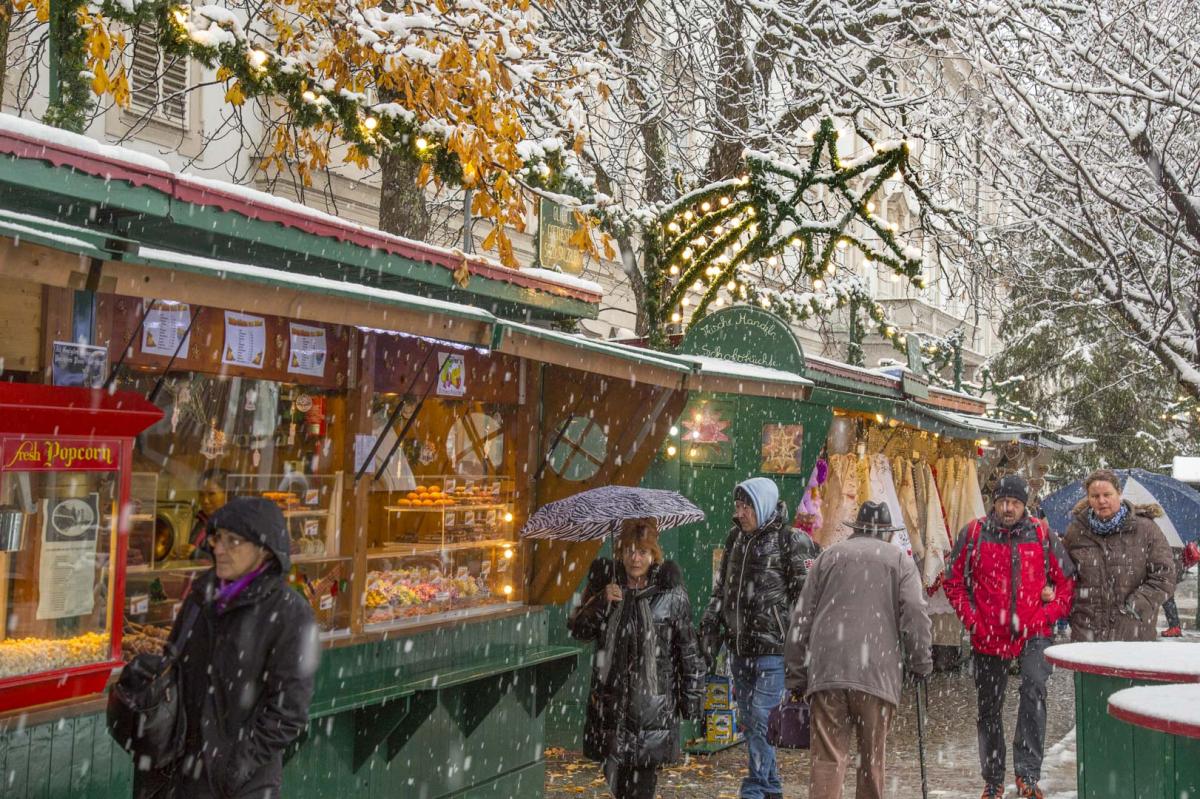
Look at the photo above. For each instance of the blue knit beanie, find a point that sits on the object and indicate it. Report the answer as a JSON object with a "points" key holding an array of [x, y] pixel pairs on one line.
{"points": [[763, 494]]}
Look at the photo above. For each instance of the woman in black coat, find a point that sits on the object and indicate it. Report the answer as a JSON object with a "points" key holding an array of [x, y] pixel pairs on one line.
{"points": [[647, 672], [247, 664]]}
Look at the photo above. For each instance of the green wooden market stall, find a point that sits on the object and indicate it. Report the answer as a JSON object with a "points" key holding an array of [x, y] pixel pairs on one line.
{"points": [[362, 339]]}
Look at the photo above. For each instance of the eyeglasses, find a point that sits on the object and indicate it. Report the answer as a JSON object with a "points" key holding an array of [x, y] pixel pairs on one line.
{"points": [[226, 540], [739, 505]]}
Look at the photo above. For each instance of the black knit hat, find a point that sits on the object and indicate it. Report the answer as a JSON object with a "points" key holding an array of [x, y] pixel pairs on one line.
{"points": [[259, 521], [1013, 486]]}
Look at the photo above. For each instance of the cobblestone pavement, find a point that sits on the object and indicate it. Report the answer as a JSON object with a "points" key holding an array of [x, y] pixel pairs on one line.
{"points": [[951, 753]]}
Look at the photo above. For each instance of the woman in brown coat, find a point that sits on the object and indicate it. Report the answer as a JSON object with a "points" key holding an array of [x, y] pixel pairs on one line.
{"points": [[1124, 565]]}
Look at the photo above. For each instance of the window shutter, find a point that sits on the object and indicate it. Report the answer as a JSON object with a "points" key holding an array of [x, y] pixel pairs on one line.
{"points": [[157, 87]]}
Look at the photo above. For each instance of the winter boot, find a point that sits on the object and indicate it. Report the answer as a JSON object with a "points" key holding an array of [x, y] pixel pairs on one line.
{"points": [[1172, 632], [993, 792], [1029, 790]]}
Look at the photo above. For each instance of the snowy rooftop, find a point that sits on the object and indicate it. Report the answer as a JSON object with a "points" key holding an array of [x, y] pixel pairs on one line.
{"points": [[1173, 709], [29, 139], [1168, 661]]}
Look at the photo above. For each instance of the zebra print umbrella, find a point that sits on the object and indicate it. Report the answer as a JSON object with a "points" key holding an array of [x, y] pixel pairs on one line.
{"points": [[594, 514]]}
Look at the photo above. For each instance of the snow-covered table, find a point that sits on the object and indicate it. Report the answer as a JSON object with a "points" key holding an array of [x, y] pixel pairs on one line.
{"points": [[1173, 709], [1117, 759], [1158, 661]]}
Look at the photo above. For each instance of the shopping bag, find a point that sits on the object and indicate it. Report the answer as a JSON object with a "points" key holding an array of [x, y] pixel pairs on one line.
{"points": [[145, 712], [788, 725]]}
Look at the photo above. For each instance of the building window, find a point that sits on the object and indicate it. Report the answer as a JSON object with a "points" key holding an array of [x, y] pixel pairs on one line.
{"points": [[158, 83]]}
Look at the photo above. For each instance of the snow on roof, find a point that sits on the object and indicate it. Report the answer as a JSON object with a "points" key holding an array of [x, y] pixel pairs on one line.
{"points": [[17, 230], [1185, 469], [747, 371], [312, 282], [36, 130], [1169, 661], [550, 276], [194, 188], [1176, 705]]}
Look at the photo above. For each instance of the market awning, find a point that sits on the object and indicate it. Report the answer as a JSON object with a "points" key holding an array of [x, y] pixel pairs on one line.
{"points": [[964, 425], [1059, 442], [591, 355]]}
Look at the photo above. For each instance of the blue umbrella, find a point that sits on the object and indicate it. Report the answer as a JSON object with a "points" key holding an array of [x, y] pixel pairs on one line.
{"points": [[592, 515], [1180, 502]]}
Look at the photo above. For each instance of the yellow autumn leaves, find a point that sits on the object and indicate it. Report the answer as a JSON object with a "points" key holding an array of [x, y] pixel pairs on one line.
{"points": [[470, 74]]}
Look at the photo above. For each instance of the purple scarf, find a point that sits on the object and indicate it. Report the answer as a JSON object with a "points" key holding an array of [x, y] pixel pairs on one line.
{"points": [[229, 590]]}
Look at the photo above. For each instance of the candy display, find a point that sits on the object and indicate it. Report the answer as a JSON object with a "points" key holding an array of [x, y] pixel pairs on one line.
{"points": [[20, 656], [403, 593]]}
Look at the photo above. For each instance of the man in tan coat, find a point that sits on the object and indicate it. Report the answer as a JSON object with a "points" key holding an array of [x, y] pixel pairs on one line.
{"points": [[860, 619]]}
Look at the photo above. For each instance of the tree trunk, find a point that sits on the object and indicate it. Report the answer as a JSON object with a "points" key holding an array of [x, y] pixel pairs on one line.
{"points": [[402, 207], [6, 11]]}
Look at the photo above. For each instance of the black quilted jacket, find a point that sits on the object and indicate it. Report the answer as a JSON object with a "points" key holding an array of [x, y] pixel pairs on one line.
{"points": [[758, 583], [624, 720]]}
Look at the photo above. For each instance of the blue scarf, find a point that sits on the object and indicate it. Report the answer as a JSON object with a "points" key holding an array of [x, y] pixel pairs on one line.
{"points": [[1101, 527]]}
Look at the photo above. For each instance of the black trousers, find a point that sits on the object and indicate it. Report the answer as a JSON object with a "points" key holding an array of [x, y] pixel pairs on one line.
{"points": [[1172, 612], [627, 781], [991, 681]]}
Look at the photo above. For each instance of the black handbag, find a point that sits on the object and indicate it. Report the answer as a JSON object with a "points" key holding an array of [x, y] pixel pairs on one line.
{"points": [[145, 710]]}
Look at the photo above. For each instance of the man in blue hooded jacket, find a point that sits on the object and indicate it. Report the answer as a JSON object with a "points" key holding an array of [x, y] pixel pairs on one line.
{"points": [[761, 575]]}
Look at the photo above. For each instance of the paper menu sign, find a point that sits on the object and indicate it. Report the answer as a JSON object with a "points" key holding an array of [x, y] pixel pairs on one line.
{"points": [[307, 351], [452, 375], [67, 568], [165, 328], [245, 340]]}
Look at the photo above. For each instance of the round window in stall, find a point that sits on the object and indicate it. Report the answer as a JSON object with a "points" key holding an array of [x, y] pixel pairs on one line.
{"points": [[580, 450]]}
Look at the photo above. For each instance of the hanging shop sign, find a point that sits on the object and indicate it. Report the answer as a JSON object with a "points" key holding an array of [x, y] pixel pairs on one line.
{"points": [[58, 454], [749, 335], [307, 351], [79, 365], [556, 226], [245, 340], [165, 328]]}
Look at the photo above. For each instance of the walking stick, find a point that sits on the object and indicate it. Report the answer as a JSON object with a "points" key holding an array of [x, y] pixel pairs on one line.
{"points": [[921, 735]]}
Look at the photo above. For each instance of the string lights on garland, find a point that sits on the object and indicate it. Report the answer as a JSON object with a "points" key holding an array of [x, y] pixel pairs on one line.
{"points": [[703, 241], [366, 88]]}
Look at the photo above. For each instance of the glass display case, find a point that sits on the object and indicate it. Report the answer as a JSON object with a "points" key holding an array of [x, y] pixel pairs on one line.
{"points": [[311, 505], [447, 545], [64, 477]]}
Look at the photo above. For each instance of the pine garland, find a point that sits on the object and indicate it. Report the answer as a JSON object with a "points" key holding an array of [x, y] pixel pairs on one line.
{"points": [[705, 238]]}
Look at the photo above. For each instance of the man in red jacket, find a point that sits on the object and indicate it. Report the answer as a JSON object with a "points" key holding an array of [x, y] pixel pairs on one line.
{"points": [[1010, 582]]}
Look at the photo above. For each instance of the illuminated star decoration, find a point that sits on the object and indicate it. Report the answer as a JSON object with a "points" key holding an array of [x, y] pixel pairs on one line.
{"points": [[705, 427], [779, 449], [707, 235]]}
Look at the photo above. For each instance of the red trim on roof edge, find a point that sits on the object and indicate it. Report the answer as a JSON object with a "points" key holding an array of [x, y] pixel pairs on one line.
{"points": [[180, 188], [1155, 723], [91, 163]]}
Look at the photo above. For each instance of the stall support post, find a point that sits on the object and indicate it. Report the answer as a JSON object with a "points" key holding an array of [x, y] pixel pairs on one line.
{"points": [[356, 501]]}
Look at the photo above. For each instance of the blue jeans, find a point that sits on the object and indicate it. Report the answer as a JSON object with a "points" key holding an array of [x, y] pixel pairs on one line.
{"points": [[758, 688]]}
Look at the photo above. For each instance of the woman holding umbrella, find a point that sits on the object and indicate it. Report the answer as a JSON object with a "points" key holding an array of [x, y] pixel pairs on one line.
{"points": [[647, 672]]}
